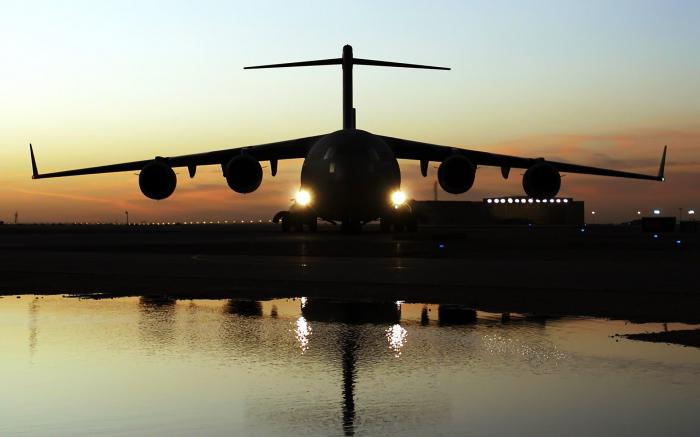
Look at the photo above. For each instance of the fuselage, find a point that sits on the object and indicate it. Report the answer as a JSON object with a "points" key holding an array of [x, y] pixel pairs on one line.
{"points": [[350, 174]]}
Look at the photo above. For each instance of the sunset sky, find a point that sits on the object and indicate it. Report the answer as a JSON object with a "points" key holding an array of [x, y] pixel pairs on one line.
{"points": [[604, 83]]}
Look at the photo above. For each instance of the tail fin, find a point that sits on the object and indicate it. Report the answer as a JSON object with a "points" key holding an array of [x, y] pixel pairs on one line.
{"points": [[347, 62]]}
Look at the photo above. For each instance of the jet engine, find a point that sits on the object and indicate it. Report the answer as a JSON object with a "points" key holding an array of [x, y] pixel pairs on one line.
{"points": [[541, 180], [157, 180], [243, 174], [456, 174]]}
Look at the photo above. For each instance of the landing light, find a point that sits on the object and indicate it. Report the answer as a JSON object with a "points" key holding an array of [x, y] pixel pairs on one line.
{"points": [[303, 198], [398, 198]]}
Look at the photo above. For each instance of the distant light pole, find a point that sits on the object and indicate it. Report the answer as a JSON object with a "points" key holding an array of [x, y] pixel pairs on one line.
{"points": [[593, 216], [692, 212], [127, 217]]}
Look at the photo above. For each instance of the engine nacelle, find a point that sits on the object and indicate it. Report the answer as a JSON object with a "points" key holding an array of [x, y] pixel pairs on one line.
{"points": [[157, 180], [542, 181], [243, 174], [456, 174]]}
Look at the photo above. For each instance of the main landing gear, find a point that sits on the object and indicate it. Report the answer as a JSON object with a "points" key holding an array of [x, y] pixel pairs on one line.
{"points": [[296, 221], [399, 220], [396, 220]]}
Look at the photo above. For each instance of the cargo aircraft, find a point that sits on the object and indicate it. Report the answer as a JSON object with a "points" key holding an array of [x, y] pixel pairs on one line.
{"points": [[349, 176]]}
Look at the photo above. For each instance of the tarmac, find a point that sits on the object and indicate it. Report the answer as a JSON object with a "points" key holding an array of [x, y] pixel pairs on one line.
{"points": [[602, 271]]}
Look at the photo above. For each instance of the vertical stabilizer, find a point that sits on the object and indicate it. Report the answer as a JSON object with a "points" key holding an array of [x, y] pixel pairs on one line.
{"points": [[347, 61]]}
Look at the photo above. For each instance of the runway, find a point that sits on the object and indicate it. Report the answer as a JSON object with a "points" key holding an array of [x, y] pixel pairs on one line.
{"points": [[597, 270]]}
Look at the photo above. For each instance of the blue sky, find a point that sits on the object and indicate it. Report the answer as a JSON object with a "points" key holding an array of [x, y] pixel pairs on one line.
{"points": [[94, 82]]}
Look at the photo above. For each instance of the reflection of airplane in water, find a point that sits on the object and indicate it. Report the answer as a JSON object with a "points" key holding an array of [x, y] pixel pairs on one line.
{"points": [[365, 337], [349, 175], [351, 314]]}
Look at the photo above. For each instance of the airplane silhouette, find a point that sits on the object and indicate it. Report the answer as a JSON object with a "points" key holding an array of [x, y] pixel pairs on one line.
{"points": [[350, 175]]}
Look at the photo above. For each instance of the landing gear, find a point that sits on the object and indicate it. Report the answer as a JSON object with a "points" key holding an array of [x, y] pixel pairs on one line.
{"points": [[285, 222], [295, 221], [384, 225], [398, 221], [313, 225], [350, 226]]}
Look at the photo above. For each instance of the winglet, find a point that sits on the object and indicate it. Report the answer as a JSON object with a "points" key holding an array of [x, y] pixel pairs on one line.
{"points": [[35, 172], [662, 166]]}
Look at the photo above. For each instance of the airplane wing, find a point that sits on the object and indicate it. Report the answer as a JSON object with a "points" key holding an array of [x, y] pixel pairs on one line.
{"points": [[425, 152], [290, 149]]}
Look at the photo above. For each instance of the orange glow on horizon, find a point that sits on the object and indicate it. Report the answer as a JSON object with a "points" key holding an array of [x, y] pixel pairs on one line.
{"points": [[206, 197]]}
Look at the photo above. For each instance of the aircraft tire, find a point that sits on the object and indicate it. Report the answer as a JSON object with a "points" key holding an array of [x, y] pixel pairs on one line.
{"points": [[384, 225], [313, 225], [285, 224]]}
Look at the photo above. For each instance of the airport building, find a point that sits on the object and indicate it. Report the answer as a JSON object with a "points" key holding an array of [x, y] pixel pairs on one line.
{"points": [[501, 210]]}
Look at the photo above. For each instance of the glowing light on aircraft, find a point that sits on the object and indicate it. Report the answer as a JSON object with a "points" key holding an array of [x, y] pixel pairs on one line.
{"points": [[398, 198], [303, 198]]}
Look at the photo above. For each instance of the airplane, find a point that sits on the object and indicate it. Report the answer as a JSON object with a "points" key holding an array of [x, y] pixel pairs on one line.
{"points": [[349, 176]]}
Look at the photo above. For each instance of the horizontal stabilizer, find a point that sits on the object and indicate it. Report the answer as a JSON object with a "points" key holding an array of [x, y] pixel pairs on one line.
{"points": [[360, 61], [335, 61]]}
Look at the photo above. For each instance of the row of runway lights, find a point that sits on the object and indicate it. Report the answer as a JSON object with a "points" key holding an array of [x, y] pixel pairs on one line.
{"points": [[517, 200], [203, 222]]}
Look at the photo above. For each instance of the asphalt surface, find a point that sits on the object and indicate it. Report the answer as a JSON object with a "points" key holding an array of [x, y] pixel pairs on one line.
{"points": [[606, 271]]}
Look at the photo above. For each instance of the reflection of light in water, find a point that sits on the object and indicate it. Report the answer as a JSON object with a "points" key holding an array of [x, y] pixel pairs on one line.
{"points": [[303, 302], [303, 332], [33, 325], [532, 352], [396, 336]]}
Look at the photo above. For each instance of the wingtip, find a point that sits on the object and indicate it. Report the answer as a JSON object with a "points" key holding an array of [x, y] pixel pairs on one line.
{"points": [[35, 172], [662, 165]]}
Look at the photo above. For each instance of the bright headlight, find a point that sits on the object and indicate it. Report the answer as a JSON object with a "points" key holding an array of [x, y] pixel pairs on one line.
{"points": [[303, 198], [398, 198]]}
